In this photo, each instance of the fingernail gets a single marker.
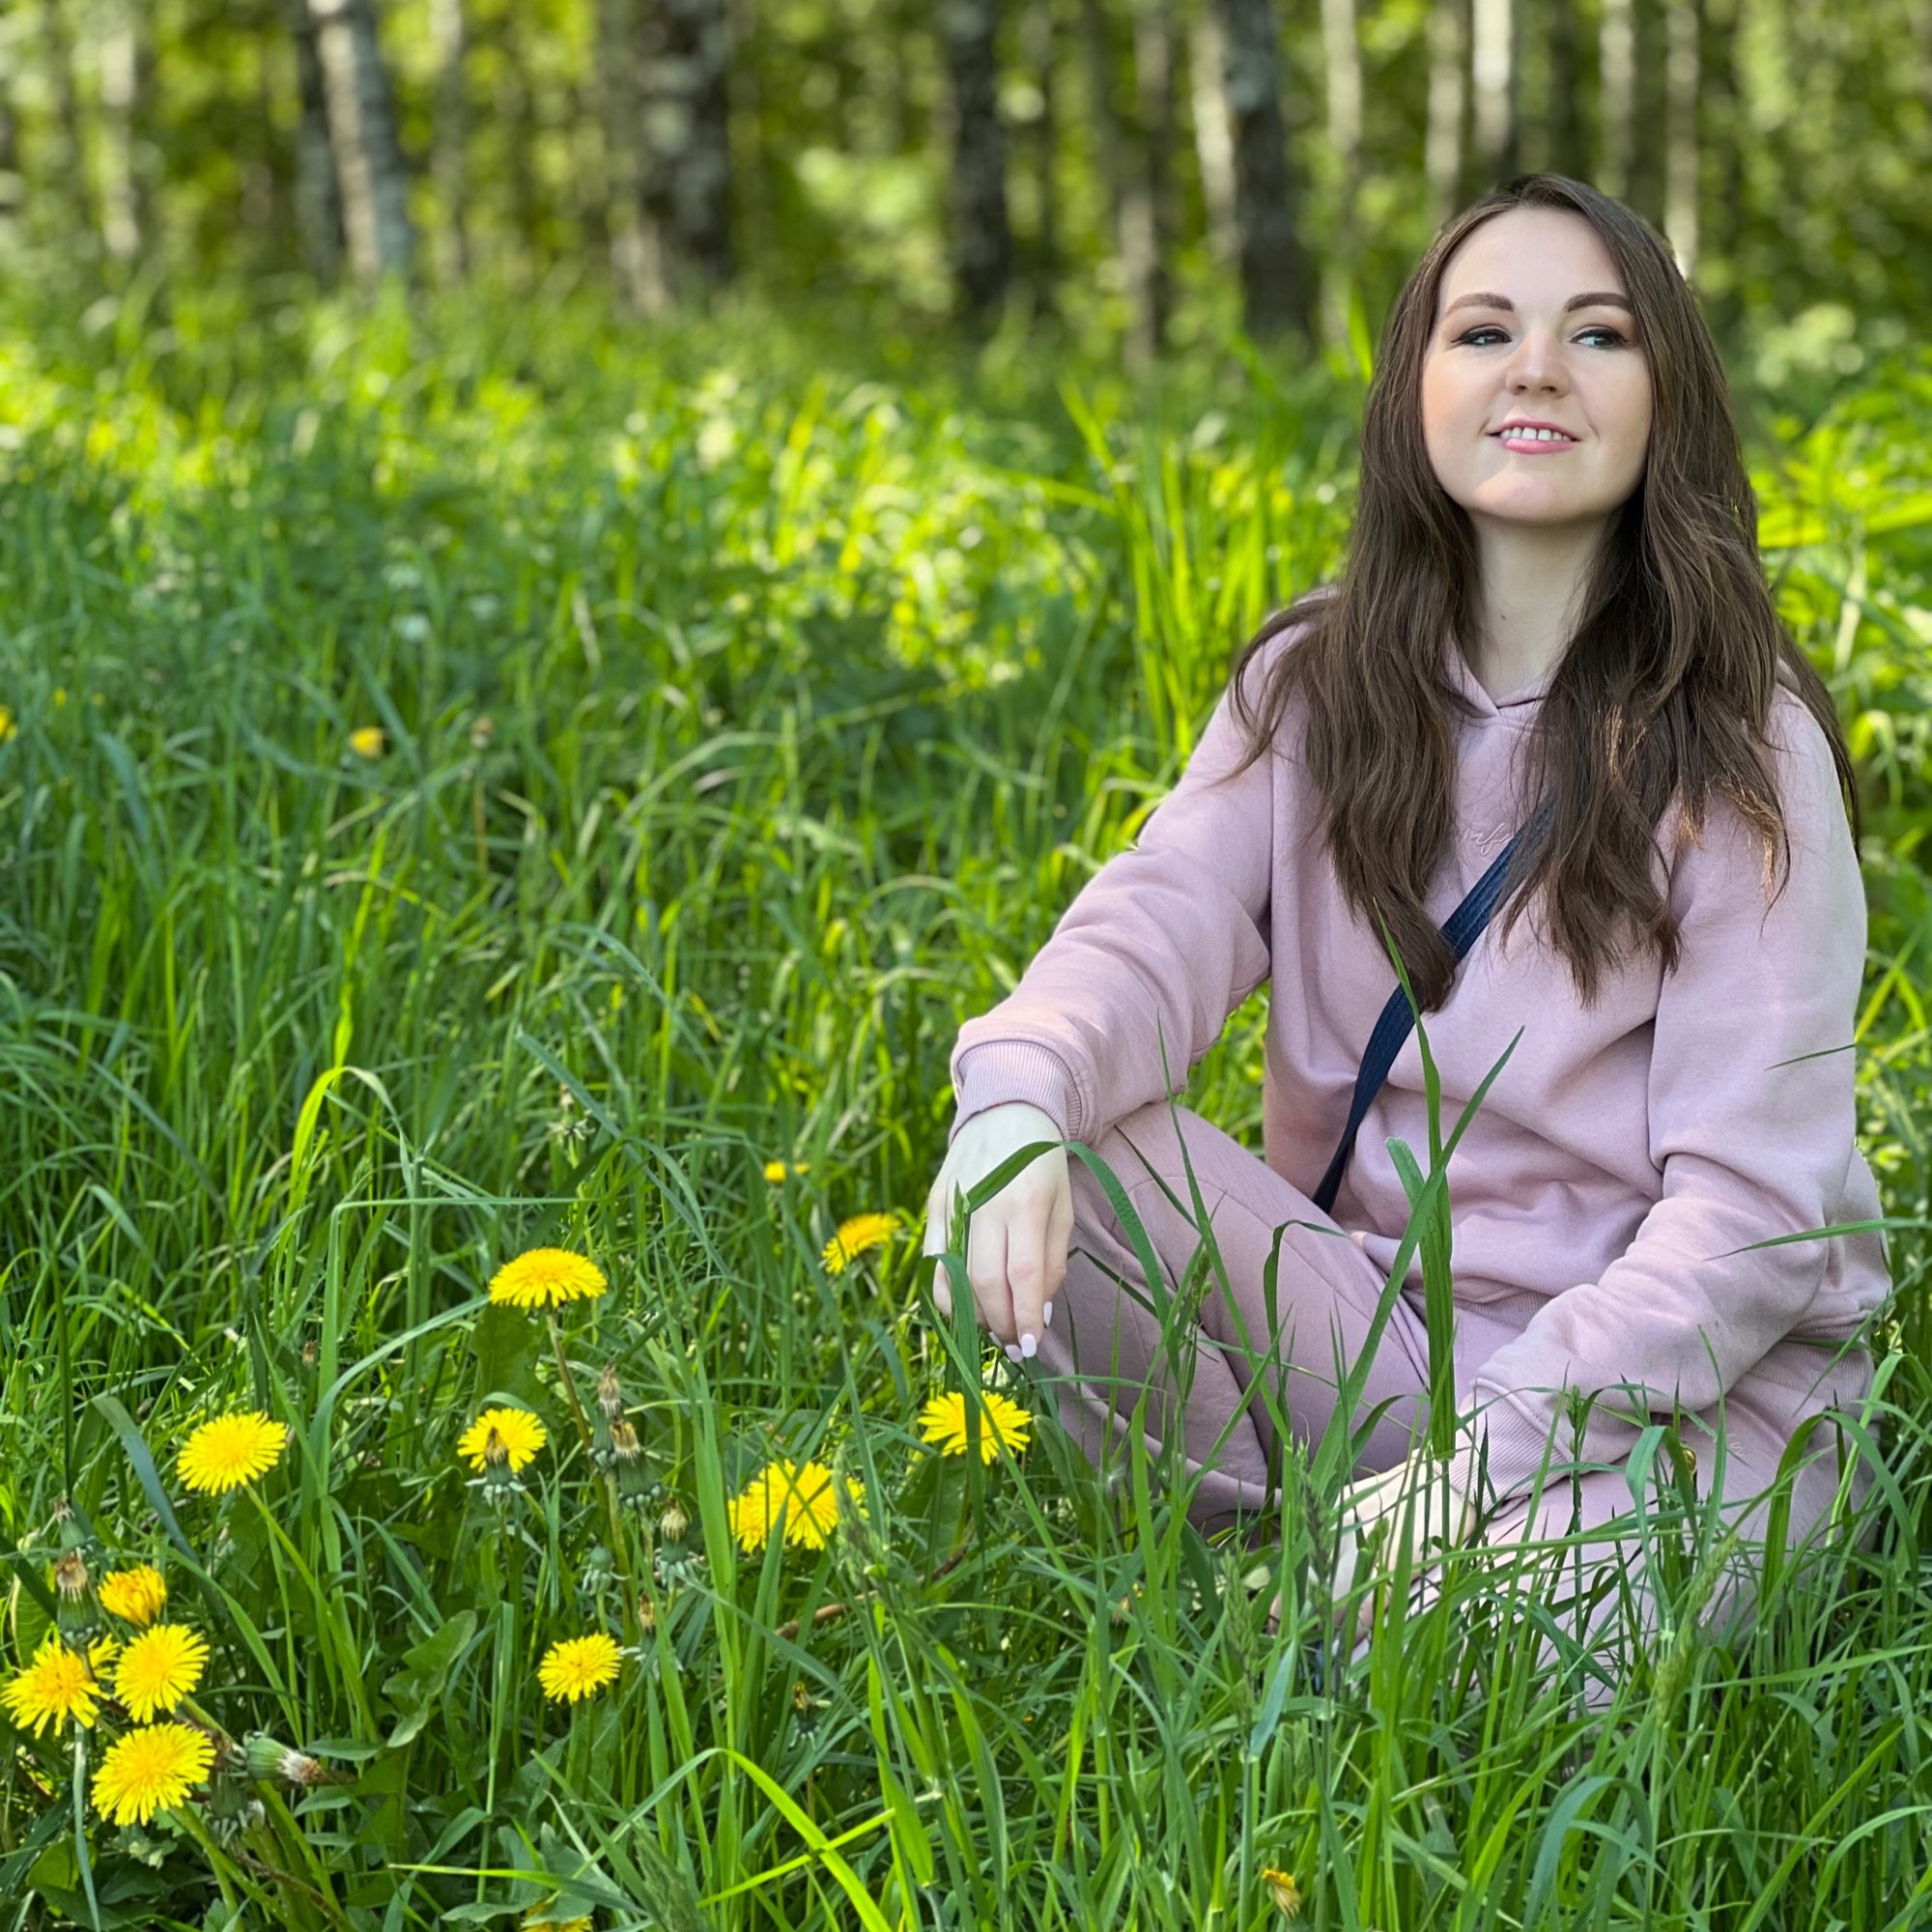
(1012, 1353)
(1046, 1319)
(1028, 1345)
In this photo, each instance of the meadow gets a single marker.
(476, 784)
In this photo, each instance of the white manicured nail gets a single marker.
(1029, 1345)
(1012, 1353)
(1046, 1319)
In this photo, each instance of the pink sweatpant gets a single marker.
(1326, 1292)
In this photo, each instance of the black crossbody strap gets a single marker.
(1460, 929)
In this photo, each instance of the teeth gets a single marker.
(1538, 435)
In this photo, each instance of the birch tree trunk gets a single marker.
(1683, 28)
(1342, 73)
(1445, 150)
(125, 85)
(1214, 138)
(982, 241)
(1275, 282)
(451, 157)
(684, 70)
(318, 200)
(363, 139)
(1616, 118)
(1493, 74)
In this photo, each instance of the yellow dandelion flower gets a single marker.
(230, 1451)
(6, 724)
(56, 1686)
(578, 1665)
(102, 1652)
(777, 1171)
(1283, 1890)
(520, 1433)
(855, 1236)
(546, 1278)
(542, 1918)
(136, 1596)
(366, 741)
(150, 1770)
(942, 1422)
(801, 1499)
(158, 1668)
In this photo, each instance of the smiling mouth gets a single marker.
(1531, 435)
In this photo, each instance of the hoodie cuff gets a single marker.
(1012, 1069)
(1503, 1450)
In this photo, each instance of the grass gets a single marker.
(749, 715)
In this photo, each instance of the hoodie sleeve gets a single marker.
(1158, 949)
(1751, 1129)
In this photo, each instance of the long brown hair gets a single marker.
(1664, 686)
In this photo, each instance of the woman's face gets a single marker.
(1532, 324)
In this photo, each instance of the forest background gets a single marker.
(579, 584)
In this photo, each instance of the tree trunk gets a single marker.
(362, 122)
(1723, 135)
(1214, 138)
(1445, 158)
(1157, 105)
(1568, 153)
(983, 242)
(1040, 53)
(450, 145)
(13, 186)
(1275, 282)
(619, 105)
(1493, 74)
(1342, 73)
(684, 68)
(1683, 26)
(1645, 193)
(70, 167)
(1616, 120)
(126, 68)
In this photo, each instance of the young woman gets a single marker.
(1553, 599)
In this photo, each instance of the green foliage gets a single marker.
(748, 717)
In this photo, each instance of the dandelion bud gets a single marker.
(610, 1393)
(481, 731)
(673, 1522)
(71, 1576)
(599, 1571)
(263, 1756)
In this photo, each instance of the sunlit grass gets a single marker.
(737, 731)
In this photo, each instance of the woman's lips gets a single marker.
(1534, 446)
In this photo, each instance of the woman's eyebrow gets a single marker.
(1596, 299)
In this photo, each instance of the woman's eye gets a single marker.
(1470, 335)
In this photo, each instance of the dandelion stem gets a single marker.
(826, 1613)
(621, 1549)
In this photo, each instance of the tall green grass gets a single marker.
(750, 713)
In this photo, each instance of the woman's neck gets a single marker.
(1529, 578)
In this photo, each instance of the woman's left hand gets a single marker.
(1416, 1500)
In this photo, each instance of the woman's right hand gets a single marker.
(1016, 1249)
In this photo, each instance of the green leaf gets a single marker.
(414, 1688)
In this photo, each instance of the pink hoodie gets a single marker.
(1628, 1149)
